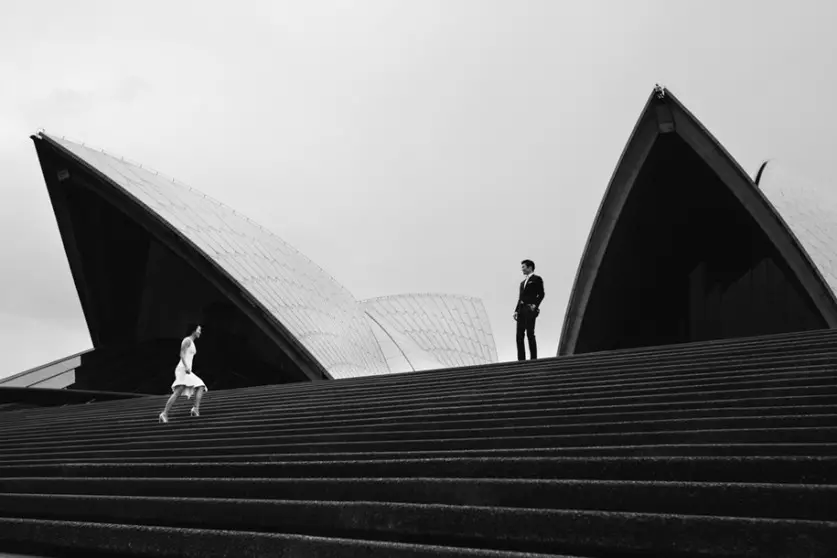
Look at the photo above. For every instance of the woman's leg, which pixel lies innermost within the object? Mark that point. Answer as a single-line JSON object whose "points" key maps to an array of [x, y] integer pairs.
{"points": [[198, 397], [174, 395]]}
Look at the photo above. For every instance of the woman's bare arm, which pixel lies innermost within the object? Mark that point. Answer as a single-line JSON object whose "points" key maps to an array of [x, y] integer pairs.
{"points": [[183, 347]]}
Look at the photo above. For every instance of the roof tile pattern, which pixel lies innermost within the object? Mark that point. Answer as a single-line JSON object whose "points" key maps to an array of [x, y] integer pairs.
{"points": [[809, 210], [453, 330]]}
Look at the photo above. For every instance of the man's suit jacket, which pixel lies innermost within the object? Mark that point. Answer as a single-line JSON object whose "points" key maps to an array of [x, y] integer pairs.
{"points": [[533, 292]]}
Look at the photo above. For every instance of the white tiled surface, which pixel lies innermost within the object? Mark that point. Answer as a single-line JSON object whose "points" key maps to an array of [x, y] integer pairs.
{"points": [[453, 330], [810, 210], [321, 313], [401, 352]]}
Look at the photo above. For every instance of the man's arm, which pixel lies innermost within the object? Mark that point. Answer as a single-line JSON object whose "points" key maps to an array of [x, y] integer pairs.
{"points": [[540, 292]]}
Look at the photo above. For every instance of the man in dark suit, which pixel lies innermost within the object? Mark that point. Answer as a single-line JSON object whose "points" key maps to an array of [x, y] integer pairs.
{"points": [[527, 309]]}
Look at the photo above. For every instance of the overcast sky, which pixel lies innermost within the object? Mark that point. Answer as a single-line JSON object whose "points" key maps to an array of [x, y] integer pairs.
{"points": [[425, 146]]}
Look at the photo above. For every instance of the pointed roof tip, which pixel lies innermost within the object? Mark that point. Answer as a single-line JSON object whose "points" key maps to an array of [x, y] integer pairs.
{"points": [[40, 133], [664, 94], [659, 91]]}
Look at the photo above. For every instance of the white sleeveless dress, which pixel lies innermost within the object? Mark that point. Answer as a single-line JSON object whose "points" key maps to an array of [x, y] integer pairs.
{"points": [[181, 378]]}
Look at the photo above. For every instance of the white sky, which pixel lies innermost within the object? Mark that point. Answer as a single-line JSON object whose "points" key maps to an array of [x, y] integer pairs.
{"points": [[404, 146]]}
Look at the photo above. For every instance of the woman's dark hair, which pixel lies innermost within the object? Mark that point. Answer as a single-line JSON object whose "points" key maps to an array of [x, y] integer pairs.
{"points": [[191, 328]]}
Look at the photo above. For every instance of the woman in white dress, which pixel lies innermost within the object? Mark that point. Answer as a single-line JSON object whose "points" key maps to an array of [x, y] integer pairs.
{"points": [[186, 382]]}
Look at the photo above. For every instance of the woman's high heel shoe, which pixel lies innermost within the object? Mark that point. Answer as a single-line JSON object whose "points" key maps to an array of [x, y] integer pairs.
{"points": [[194, 412], [163, 418]]}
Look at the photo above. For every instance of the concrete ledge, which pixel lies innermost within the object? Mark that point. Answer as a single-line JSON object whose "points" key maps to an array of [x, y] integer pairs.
{"points": [[788, 501], [46, 397], [80, 539], [547, 531], [792, 470]]}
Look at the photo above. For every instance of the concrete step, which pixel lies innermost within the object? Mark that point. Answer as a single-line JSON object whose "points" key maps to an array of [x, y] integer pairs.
{"points": [[211, 427], [533, 530], [645, 450], [773, 430], [269, 394], [754, 347], [539, 425], [4, 407], [774, 500], [484, 376], [565, 394], [678, 355], [116, 422], [77, 539], [772, 469]]}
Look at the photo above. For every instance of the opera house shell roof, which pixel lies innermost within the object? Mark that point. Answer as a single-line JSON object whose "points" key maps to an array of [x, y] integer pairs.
{"points": [[298, 305], [686, 246]]}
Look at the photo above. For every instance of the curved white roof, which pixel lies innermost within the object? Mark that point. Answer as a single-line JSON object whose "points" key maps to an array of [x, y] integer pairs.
{"points": [[449, 329], [810, 212], [796, 218], [315, 308]]}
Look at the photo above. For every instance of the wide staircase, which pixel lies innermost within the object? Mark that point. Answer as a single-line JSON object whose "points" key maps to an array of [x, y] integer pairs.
{"points": [[710, 449]]}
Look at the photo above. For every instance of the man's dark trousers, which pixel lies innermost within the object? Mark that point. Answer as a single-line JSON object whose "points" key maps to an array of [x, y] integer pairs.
{"points": [[526, 325]]}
